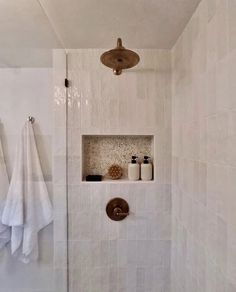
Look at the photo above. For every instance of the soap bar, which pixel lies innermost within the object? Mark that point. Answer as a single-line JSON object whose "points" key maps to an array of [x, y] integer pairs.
{"points": [[93, 177]]}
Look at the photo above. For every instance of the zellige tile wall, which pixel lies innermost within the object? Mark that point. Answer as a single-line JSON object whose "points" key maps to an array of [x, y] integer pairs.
{"points": [[134, 254], [204, 151]]}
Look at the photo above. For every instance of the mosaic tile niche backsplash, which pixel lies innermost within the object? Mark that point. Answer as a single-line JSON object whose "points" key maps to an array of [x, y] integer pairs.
{"points": [[100, 152]]}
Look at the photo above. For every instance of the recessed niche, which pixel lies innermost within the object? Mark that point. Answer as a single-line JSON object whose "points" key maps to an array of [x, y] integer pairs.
{"points": [[100, 152]]}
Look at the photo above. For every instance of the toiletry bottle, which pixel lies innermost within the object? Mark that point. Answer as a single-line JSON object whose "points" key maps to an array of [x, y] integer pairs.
{"points": [[146, 169], [134, 169]]}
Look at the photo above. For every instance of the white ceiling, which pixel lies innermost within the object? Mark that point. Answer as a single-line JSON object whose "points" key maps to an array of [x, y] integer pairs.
{"points": [[24, 24], [26, 34], [46, 24], [141, 23]]}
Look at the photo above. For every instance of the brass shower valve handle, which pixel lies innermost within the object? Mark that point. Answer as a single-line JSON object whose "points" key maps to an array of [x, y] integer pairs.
{"points": [[117, 209]]}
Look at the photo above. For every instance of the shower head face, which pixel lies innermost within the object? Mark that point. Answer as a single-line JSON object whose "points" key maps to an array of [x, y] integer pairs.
{"points": [[120, 58]]}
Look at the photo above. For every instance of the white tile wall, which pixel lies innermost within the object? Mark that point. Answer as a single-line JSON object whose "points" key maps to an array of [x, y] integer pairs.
{"points": [[24, 92], [203, 141], [132, 255]]}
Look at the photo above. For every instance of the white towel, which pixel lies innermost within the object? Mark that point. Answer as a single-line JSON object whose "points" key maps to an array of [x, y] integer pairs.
{"points": [[28, 208], [4, 186]]}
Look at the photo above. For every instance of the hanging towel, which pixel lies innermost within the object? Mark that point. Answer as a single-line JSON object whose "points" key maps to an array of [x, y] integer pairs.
{"points": [[28, 208], [4, 186]]}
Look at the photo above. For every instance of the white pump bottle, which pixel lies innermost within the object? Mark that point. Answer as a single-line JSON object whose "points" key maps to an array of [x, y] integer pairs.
{"points": [[146, 169], [134, 169]]}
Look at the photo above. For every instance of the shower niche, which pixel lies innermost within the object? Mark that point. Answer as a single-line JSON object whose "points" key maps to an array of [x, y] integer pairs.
{"points": [[99, 152]]}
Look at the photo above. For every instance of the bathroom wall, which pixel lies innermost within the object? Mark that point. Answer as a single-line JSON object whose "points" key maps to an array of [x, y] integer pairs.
{"points": [[204, 155], [134, 254], [24, 92]]}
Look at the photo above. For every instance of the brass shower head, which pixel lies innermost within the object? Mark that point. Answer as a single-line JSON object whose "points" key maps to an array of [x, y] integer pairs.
{"points": [[119, 58]]}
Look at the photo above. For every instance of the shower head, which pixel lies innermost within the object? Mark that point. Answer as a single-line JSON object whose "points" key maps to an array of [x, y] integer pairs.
{"points": [[119, 58]]}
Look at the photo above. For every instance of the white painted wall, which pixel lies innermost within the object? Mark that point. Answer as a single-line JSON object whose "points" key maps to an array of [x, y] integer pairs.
{"points": [[24, 92]]}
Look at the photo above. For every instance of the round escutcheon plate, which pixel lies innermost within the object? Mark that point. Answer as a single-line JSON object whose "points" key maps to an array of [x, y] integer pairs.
{"points": [[117, 209]]}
